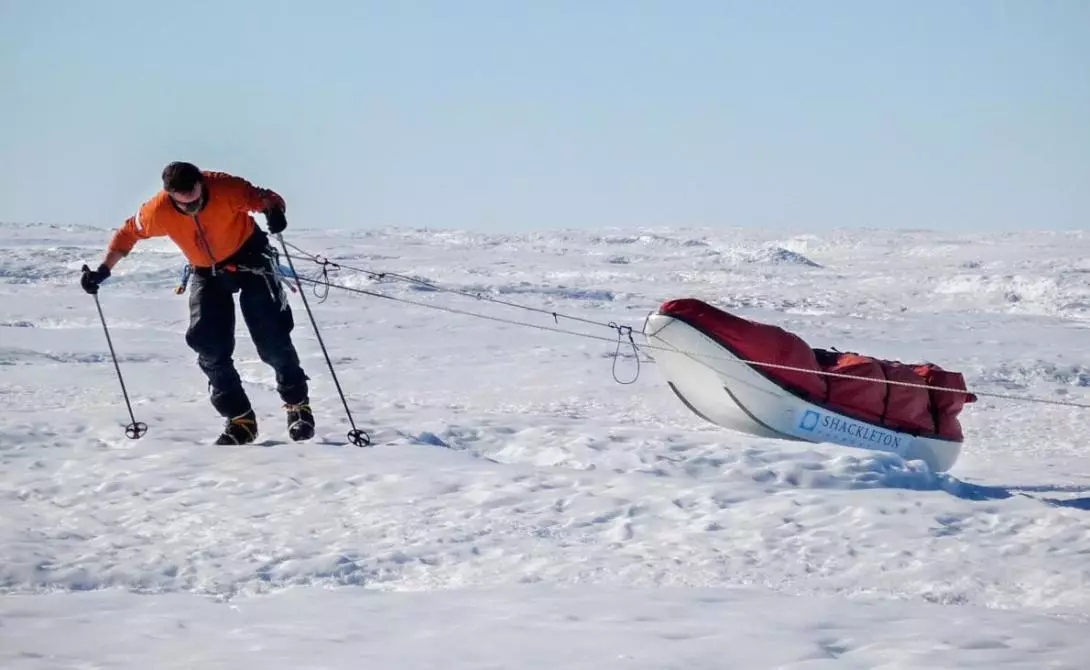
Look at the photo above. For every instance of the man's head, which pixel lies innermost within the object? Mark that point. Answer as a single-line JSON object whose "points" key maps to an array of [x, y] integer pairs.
{"points": [[182, 182]]}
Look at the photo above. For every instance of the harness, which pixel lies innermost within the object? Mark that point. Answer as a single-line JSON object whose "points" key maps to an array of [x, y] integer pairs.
{"points": [[268, 266]]}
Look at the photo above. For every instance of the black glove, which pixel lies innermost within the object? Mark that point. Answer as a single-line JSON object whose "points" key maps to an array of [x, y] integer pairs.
{"points": [[92, 278], [275, 219]]}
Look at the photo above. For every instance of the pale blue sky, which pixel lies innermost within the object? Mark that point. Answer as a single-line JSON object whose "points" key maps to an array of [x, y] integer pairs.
{"points": [[517, 115]]}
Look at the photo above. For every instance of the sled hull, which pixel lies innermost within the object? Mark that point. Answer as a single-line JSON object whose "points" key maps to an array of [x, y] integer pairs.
{"points": [[716, 386]]}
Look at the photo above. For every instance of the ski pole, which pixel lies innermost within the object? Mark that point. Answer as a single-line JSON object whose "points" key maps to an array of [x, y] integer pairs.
{"points": [[355, 436], [136, 429]]}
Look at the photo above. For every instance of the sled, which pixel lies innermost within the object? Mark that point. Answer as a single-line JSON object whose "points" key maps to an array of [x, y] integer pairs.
{"points": [[762, 380]]}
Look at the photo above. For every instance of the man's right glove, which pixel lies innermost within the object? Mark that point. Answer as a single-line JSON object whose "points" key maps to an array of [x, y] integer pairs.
{"points": [[274, 218], [92, 278]]}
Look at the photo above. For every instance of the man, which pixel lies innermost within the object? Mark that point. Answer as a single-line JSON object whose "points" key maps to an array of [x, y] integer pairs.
{"points": [[207, 214]]}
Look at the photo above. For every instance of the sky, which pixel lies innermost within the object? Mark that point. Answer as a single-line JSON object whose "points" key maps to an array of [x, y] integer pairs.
{"points": [[516, 116]]}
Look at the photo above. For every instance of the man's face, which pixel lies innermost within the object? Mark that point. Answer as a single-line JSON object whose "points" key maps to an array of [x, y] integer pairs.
{"points": [[189, 201]]}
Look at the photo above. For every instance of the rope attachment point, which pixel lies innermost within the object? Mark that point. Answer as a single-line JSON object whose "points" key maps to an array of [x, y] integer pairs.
{"points": [[622, 332]]}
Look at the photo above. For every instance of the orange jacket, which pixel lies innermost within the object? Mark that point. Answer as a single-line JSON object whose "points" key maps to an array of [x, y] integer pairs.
{"points": [[211, 235]]}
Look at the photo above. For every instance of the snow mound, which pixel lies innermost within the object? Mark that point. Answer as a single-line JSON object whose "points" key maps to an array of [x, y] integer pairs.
{"points": [[1065, 293], [780, 256], [1024, 375]]}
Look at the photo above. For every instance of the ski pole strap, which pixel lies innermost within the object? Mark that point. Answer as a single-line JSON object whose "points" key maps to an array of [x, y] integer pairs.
{"points": [[184, 282]]}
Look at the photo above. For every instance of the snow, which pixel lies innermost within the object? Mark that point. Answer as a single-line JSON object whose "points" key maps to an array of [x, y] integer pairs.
{"points": [[519, 507]]}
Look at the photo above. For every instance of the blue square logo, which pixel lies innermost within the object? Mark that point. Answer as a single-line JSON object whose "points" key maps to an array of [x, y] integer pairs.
{"points": [[809, 420]]}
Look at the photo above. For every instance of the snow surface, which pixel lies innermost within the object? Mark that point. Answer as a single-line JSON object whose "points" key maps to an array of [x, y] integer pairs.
{"points": [[520, 508]]}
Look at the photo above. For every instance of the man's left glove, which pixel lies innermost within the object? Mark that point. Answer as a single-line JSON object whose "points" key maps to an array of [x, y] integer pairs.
{"points": [[275, 219], [92, 278]]}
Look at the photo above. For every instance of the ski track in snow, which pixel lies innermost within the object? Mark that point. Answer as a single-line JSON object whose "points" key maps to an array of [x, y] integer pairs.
{"points": [[515, 490]]}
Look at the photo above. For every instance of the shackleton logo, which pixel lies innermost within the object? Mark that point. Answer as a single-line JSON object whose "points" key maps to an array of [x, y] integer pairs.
{"points": [[847, 431]]}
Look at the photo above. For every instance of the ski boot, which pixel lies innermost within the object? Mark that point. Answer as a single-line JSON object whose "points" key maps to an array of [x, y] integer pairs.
{"points": [[239, 430], [300, 421]]}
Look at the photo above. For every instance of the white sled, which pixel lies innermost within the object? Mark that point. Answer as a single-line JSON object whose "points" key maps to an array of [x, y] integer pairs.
{"points": [[718, 387]]}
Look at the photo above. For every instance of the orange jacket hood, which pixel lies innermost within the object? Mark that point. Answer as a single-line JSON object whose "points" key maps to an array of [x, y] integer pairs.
{"points": [[210, 236]]}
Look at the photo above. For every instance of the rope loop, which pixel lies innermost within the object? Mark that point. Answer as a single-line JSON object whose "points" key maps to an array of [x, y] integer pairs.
{"points": [[622, 332], [325, 264]]}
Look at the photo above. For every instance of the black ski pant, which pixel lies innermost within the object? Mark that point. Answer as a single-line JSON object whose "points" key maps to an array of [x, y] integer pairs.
{"points": [[211, 334]]}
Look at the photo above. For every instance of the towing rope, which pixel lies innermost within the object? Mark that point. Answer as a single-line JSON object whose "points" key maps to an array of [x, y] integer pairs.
{"points": [[621, 331]]}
